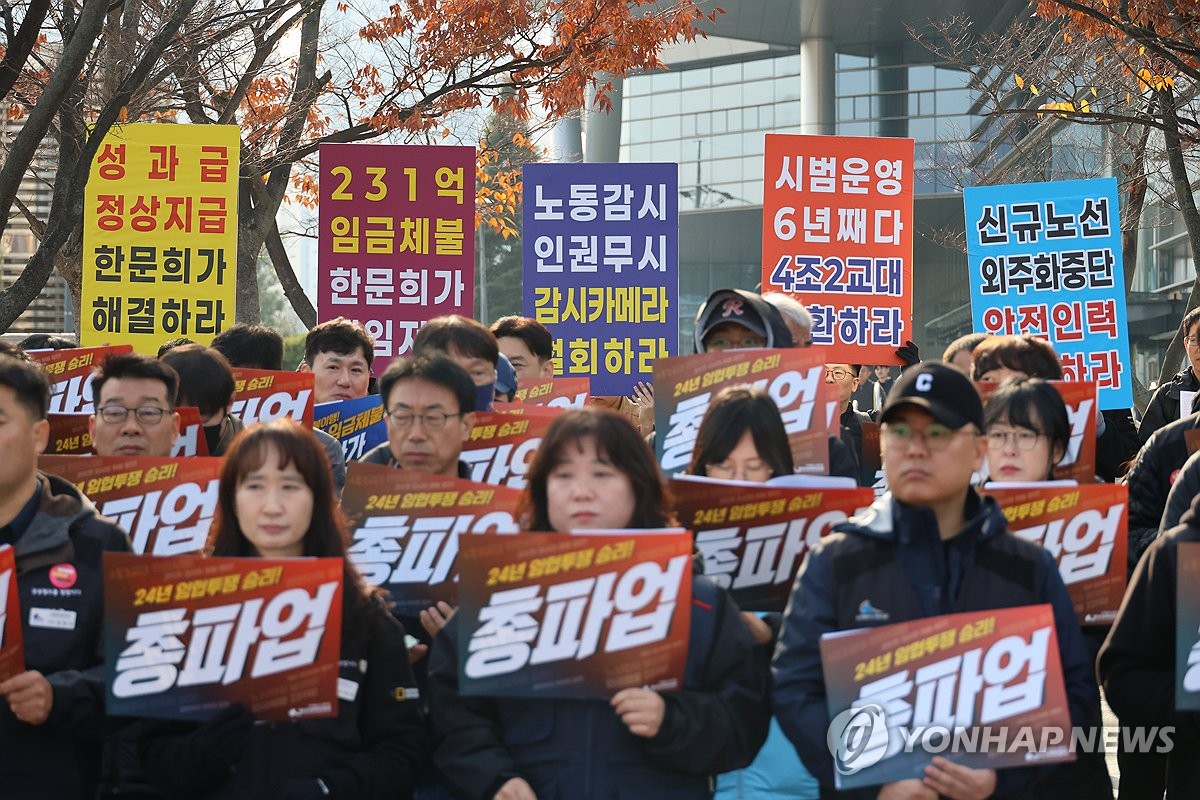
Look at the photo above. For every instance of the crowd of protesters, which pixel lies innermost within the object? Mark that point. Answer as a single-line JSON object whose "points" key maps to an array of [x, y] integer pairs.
{"points": [[751, 720]]}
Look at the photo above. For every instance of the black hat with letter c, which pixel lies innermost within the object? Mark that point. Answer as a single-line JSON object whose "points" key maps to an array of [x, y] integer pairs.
{"points": [[944, 392]]}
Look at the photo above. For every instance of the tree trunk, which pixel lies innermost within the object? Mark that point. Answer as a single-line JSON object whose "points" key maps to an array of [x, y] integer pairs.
{"points": [[249, 242], [1135, 202], [1191, 218], [287, 278], [264, 201]]}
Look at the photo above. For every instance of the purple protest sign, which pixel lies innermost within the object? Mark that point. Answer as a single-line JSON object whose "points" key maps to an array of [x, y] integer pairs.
{"points": [[601, 267]]}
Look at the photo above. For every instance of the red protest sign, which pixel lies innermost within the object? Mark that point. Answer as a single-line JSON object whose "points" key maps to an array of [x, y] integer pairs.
{"points": [[501, 445], [264, 395], [558, 392], [186, 636], [686, 385], [1079, 462], [1085, 528], [166, 504], [754, 539], [990, 681], [70, 374], [838, 234], [69, 434], [553, 615], [405, 529], [12, 651]]}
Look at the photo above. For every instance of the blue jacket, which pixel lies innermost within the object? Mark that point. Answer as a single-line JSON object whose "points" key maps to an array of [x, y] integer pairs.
{"points": [[580, 749], [776, 774], [890, 565]]}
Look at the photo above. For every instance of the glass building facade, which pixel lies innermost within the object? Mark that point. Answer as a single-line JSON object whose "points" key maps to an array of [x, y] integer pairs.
{"points": [[711, 120], [711, 109]]}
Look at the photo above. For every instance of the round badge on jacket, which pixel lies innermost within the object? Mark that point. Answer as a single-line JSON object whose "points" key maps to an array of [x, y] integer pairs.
{"points": [[64, 575]]}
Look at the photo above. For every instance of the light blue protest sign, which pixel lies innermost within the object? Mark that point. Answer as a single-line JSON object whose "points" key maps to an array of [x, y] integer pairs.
{"points": [[601, 267], [358, 424], [1045, 260]]}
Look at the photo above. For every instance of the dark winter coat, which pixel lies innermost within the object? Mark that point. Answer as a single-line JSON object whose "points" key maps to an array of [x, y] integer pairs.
{"points": [[62, 621], [1137, 662], [580, 749], [893, 562], [1150, 479], [1163, 408], [370, 751]]}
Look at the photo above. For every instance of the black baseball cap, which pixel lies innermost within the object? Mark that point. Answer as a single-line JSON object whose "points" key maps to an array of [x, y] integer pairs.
{"points": [[939, 389], [728, 305]]}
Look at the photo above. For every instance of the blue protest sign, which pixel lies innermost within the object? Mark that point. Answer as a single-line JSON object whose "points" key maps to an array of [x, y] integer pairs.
{"points": [[358, 424], [601, 267], [1045, 260]]}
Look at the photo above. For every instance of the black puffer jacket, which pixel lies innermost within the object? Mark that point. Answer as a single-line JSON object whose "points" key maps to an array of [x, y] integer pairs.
{"points": [[1150, 479], [1137, 662], [893, 560], [62, 620], [370, 751], [1164, 405], [580, 749]]}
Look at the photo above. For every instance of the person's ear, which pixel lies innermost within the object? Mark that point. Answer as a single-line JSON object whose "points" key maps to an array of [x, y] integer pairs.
{"points": [[41, 433], [468, 422], [981, 449]]}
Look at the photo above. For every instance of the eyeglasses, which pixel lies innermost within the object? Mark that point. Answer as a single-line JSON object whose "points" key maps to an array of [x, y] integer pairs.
{"points": [[430, 420], [837, 374], [756, 472], [1024, 438], [146, 415], [936, 437], [1190, 341]]}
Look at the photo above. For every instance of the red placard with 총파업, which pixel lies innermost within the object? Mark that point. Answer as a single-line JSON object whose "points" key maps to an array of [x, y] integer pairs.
{"points": [[186, 636], [264, 395], [990, 682], [1086, 529], [754, 538], [597, 613], [405, 529], [166, 505], [70, 373], [502, 445], [557, 392], [685, 387]]}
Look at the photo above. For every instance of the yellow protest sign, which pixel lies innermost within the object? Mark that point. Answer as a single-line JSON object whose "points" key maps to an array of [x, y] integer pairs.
{"points": [[160, 235]]}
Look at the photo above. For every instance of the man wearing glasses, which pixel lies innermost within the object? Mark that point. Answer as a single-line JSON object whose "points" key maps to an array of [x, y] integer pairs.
{"points": [[844, 378], [135, 407], [930, 546], [1164, 407], [430, 406]]}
